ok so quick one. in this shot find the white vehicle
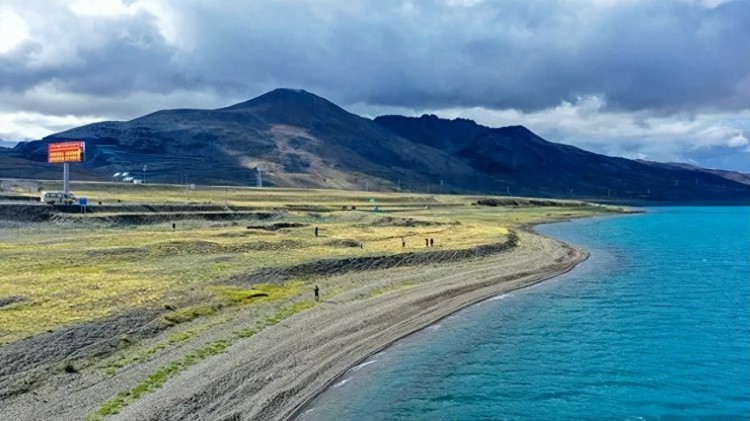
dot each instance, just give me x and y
(59, 198)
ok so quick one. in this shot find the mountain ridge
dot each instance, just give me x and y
(528, 164)
(737, 176)
(298, 139)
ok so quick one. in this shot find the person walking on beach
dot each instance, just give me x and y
(317, 293)
(316, 231)
(426, 242)
(432, 242)
(403, 242)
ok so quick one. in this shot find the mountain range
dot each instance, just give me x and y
(294, 138)
(7, 144)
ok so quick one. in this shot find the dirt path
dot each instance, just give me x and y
(273, 373)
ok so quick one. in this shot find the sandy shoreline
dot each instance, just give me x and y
(578, 258)
(273, 374)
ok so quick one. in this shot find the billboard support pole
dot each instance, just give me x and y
(65, 153)
(66, 177)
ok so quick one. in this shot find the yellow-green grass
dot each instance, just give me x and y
(158, 378)
(73, 273)
(110, 193)
(111, 366)
(263, 292)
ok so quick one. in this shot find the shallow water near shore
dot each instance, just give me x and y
(654, 326)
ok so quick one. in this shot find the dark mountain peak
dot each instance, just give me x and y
(457, 120)
(514, 134)
(454, 135)
(517, 131)
(294, 107)
(287, 94)
(286, 97)
(290, 91)
(429, 129)
(429, 119)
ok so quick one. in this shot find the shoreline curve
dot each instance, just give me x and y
(302, 408)
(277, 372)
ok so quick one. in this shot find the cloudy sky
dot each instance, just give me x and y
(654, 79)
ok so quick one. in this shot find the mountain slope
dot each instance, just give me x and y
(737, 176)
(298, 139)
(516, 160)
(295, 137)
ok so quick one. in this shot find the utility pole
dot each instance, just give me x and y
(66, 177)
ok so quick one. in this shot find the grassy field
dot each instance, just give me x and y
(57, 274)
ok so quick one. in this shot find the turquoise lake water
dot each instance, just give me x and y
(654, 326)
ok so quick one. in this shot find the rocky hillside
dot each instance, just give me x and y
(298, 139)
(517, 161)
(294, 137)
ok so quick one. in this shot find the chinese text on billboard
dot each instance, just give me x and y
(65, 152)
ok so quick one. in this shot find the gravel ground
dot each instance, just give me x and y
(273, 373)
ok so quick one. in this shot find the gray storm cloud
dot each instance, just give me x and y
(661, 58)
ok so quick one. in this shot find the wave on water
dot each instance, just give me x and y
(359, 367)
(341, 383)
(498, 297)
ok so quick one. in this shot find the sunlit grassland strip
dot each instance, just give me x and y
(73, 272)
(176, 194)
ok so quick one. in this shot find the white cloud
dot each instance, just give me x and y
(98, 7)
(738, 140)
(51, 102)
(31, 126)
(13, 29)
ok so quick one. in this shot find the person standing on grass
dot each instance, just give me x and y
(317, 293)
